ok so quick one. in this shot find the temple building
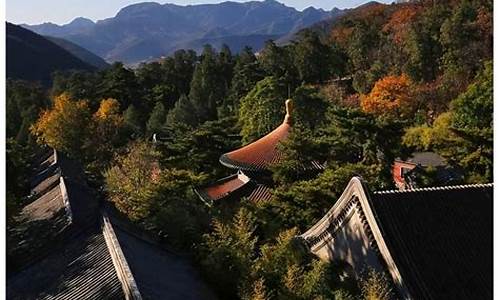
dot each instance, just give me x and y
(434, 243)
(406, 172)
(252, 163)
(64, 244)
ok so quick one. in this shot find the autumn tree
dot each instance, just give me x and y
(107, 134)
(390, 96)
(65, 126)
(464, 134)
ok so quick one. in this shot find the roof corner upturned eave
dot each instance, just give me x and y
(357, 191)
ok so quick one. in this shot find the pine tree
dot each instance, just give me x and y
(133, 121)
(208, 88)
(183, 112)
(157, 119)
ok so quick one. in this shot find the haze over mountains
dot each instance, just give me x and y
(146, 31)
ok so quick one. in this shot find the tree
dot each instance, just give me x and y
(376, 286)
(107, 134)
(24, 102)
(247, 73)
(262, 109)
(464, 135)
(65, 126)
(312, 58)
(462, 45)
(208, 88)
(119, 83)
(278, 62)
(182, 113)
(133, 121)
(131, 182)
(391, 96)
(228, 252)
(157, 119)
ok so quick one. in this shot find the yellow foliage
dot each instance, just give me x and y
(64, 126)
(391, 95)
(107, 108)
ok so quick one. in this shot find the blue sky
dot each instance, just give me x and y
(63, 11)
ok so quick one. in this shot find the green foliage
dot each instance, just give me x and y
(313, 59)
(247, 73)
(182, 113)
(464, 135)
(229, 250)
(119, 83)
(262, 109)
(303, 203)
(156, 119)
(24, 102)
(132, 182)
(161, 199)
(133, 121)
(208, 87)
(199, 149)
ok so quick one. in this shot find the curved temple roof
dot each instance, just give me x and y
(435, 242)
(262, 153)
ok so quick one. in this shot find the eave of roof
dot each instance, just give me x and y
(384, 223)
(260, 154)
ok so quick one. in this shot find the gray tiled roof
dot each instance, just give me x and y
(440, 238)
(82, 269)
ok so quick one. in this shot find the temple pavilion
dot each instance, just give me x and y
(252, 163)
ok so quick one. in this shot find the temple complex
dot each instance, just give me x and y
(435, 243)
(252, 162)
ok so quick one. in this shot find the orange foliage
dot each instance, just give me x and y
(400, 22)
(107, 108)
(391, 95)
(341, 35)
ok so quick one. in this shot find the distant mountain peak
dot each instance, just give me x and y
(79, 21)
(148, 29)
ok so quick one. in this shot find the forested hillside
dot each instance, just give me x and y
(379, 83)
(33, 57)
(79, 52)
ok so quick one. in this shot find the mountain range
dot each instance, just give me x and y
(149, 30)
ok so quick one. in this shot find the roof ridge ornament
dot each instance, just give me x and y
(289, 110)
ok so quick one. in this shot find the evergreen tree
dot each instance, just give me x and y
(208, 88)
(120, 83)
(262, 109)
(133, 121)
(312, 58)
(183, 112)
(157, 119)
(247, 73)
